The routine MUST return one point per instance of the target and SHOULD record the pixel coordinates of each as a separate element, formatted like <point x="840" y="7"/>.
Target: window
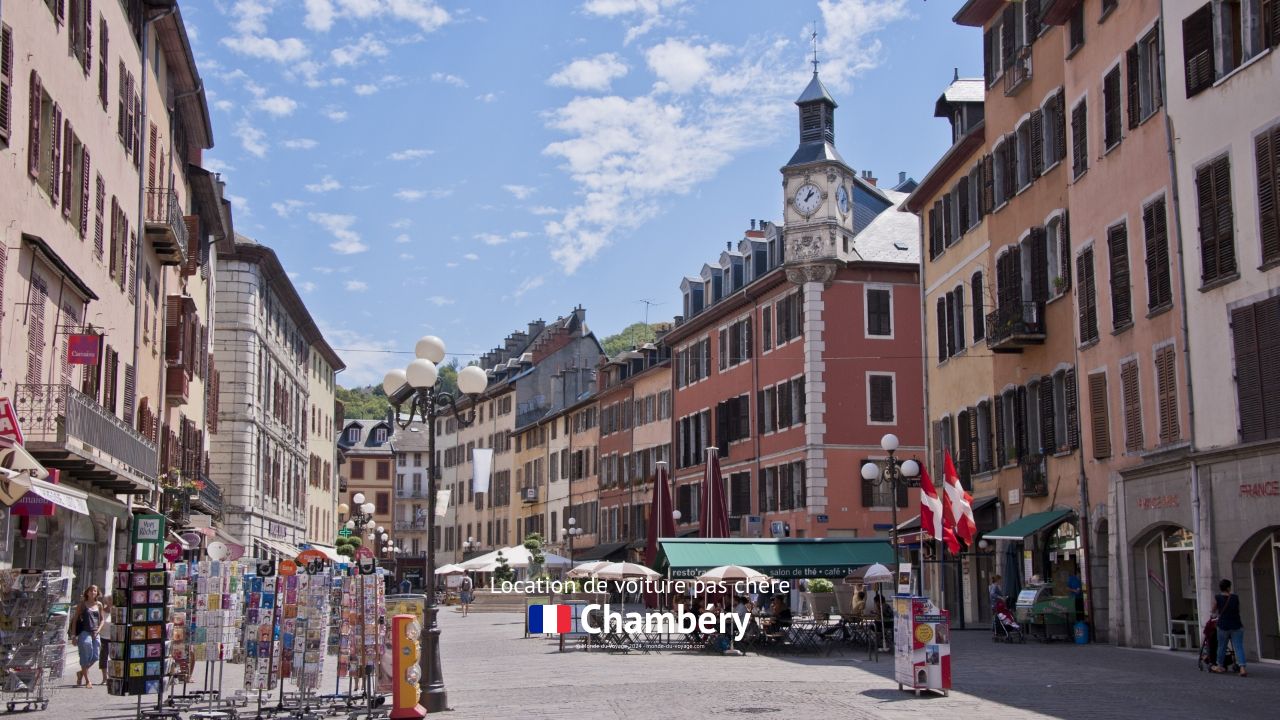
<point x="974" y="203"/>
<point x="984" y="436"/>
<point x="1242" y="32"/>
<point x="1143" y="60"/>
<point x="1000" y="165"/>
<point x="879" y="312"/>
<point x="735" y="344"/>
<point x="1023" y="159"/>
<point x="1121" y="292"/>
<point x="941" y="330"/>
<point x="1107" y="7"/>
<point x="958" y="326"/>
<point x="357" y="469"/>
<point x="1217" y="229"/>
<point x="382" y="502"/>
<point x="881" y="403"/>
<point x="993" y="43"/>
<point x="1111" y="108"/>
<point x="1156" y="237"/>
<point x="766" y="328"/>
<point x="1053" y="121"/>
<point x="1087" y="297"/>
<point x="1037" y="393"/>
<point x="790" y="318"/>
<point x="1099" y="422"/>
<point x="1197" y="50"/>
<point x="1079" y="138"/>
<point x="6" y="82"/>
<point x="1167" y="394"/>
<point x="880" y="494"/>
<point x="1255" y="331"/>
<point x="1057" y="255"/>
<point x="976" y="295"/>
<point x="937" y="238"/>
<point x="1131" y="401"/>
<point x="1266" y="148"/>
<point x="1075" y="28"/>
<point x="733" y="422"/>
<point x="740" y="494"/>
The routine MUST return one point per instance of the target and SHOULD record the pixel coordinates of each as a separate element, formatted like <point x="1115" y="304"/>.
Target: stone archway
<point x="1255" y="576"/>
<point x="1164" y="589"/>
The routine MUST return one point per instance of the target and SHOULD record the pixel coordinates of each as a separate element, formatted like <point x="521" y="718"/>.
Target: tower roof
<point x="816" y="92"/>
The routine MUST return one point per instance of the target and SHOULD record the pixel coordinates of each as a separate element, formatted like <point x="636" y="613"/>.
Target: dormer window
<point x="353" y="435"/>
<point x="379" y="435"/>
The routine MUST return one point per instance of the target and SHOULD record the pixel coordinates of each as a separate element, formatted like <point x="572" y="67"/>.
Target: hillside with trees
<point x="631" y="336"/>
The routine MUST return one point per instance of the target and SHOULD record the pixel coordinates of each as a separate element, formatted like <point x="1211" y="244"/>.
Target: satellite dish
<point x="217" y="550"/>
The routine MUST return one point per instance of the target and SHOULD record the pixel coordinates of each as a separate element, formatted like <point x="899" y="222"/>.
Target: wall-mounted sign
<point x="1159" y="502"/>
<point x="83" y="349"/>
<point x="10" y="430"/>
<point x="276" y="529"/>
<point x="1262" y="489"/>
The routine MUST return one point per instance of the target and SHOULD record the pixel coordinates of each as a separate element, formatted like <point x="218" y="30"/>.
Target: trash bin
<point x="1081" y="633"/>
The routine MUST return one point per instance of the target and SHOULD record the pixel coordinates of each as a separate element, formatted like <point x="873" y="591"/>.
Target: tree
<point x="503" y="573"/>
<point x="631" y="336"/>
<point x="363" y="402"/>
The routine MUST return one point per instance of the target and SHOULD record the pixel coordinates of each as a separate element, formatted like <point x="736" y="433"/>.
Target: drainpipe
<point x="1201" y="550"/>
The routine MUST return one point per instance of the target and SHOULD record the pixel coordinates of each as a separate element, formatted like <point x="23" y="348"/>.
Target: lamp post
<point x="416" y="384"/>
<point x="361" y="517"/>
<point x="574" y="531"/>
<point x="893" y="472"/>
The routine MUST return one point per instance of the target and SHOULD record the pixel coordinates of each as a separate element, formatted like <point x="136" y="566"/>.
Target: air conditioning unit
<point x="752" y="526"/>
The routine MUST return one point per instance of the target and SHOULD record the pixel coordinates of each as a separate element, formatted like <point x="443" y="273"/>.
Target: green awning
<point x="1027" y="525"/>
<point x="778" y="558"/>
<point x="99" y="505"/>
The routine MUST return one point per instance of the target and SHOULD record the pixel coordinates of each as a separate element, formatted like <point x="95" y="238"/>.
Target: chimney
<point x="866" y="175"/>
<point x="536" y="327"/>
<point x="902" y="177"/>
<point x="753" y="223"/>
<point x="728" y="245"/>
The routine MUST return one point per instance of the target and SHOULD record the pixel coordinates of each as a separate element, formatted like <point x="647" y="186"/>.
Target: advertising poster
<point x="922" y="645"/>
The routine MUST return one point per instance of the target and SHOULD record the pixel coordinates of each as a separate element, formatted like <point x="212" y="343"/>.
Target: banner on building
<point x="83" y="349"/>
<point x="482" y="463"/>
<point x="442" y="502"/>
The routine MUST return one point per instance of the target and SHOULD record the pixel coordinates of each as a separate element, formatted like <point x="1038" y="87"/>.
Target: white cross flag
<point x="481" y="463"/>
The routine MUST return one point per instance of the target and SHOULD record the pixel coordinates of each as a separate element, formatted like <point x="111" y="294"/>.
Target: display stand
<point x="33" y="620"/>
<point x="208" y="607"/>
<point x="304" y="623"/>
<point x="138" y="659"/>
<point x="261" y="632"/>
<point x="362" y="637"/>
<point x="922" y="645"/>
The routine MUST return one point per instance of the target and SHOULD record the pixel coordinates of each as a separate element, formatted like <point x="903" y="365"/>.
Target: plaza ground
<point x="492" y="671"/>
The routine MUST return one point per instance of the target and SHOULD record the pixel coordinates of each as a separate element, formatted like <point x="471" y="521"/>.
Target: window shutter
<point x="1020" y="422"/>
<point x="1271" y="14"/>
<point x="55" y="143"/>
<point x="1086" y="298"/>
<point x="1039" y="265"/>
<point x="1010" y="166"/>
<point x="867" y="490"/>
<point x="88" y="36"/>
<point x="1167" y="394"/>
<point x="948" y="227"/>
<point x="1268" y="334"/>
<point x="998" y="424"/>
<point x="1121" y="292"/>
<point x="35" y="331"/>
<point x="1048" y="440"/>
<point x="1197" y="50"/>
<point x="1132" y="406"/>
<point x="67" y="171"/>
<point x="962" y="198"/>
<point x="1217" y="247"/>
<point x="1099" y="425"/>
<point x="1135" y="94"/>
<point x="974" y="443"/>
<point x="1267" y="154"/>
<point x="1079" y="138"/>
<point x="1037" y="143"/>
<point x="122" y="106"/>
<point x="100" y="202"/>
<point x="1073" y="409"/>
<point x="988" y="72"/>
<point x="1060" y="124"/>
<point x="959" y="326"/>
<point x="949" y="327"/>
<point x="979" y="316"/>
<point x="988" y="184"/>
<point x="33" y="136"/>
<point x="1007" y="36"/>
<point x="60" y="11"/>
<point x="102" y="62"/>
<point x="965" y="448"/>
<point x="942" y="329"/>
<point x="6" y="82"/>
<point x="1065" y="250"/>
<point x="130" y="389"/>
<point x="1154" y="223"/>
<point x="1033" y="20"/>
<point x="132" y="260"/>
<point x="901" y="493"/>
<point x="173" y="330"/>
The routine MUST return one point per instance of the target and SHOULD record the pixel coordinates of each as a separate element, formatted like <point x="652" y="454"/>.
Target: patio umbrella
<point x="450" y="569"/>
<point x="733" y="574"/>
<point x="876" y="573"/>
<point x="587" y="569"/>
<point x="713" y="513"/>
<point x="626" y="571"/>
<point x="661" y="522"/>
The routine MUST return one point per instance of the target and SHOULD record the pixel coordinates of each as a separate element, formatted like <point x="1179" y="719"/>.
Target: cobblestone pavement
<point x="491" y="671"/>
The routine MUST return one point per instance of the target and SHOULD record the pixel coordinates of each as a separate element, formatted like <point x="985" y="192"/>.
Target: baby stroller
<point x="1003" y="627"/>
<point x="1209" y="649"/>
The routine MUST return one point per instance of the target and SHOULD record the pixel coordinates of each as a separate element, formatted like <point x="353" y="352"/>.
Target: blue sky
<point x="431" y="167"/>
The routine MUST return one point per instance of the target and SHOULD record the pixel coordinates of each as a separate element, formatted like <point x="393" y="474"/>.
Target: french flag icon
<point x="550" y="619"/>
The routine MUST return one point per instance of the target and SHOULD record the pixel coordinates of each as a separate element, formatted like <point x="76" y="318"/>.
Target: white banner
<point x="481" y="463"/>
<point x="442" y="502"/>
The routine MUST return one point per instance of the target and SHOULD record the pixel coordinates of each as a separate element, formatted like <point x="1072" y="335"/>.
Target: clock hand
<point x="810" y="195"/>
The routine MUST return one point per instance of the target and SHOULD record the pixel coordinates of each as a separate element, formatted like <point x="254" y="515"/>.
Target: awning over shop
<point x="777" y="558"/>
<point x="99" y="505"/>
<point x="62" y="496"/>
<point x="1027" y="525"/>
<point x="329" y="551"/>
<point x="603" y="551"/>
<point x="282" y="548"/>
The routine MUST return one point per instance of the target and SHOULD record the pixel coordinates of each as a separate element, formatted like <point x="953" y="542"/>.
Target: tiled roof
<point x="892" y="237"/>
<point x="965" y="90"/>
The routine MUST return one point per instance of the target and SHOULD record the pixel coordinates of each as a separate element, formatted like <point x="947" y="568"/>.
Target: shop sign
<point x="82" y="349"/>
<point x="904" y="578"/>
<point x="148" y="528"/>
<point x="1262" y="489"/>
<point x="345" y="532"/>
<point x="9" y="428"/>
<point x="1159" y="502"/>
<point x="823" y="518"/>
<point x="173" y="551"/>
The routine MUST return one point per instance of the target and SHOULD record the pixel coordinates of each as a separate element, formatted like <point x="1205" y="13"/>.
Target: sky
<point x="461" y="169"/>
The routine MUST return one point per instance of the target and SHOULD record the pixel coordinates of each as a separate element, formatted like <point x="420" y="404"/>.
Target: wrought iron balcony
<point x="1019" y="73"/>
<point x="1013" y="326"/>
<point x="411" y="525"/>
<point x="1035" y="477"/>
<point x="166" y="226"/>
<point x="209" y="498"/>
<point x="68" y="430"/>
<point x="411" y="493"/>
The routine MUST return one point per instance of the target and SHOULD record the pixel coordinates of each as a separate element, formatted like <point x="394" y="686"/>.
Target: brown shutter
<point x="100" y="206"/>
<point x="1197" y="50"/>
<point x="1079" y="138"/>
<point x="1039" y="265"/>
<point x="1132" y="403"/>
<point x="1037" y="143"/>
<point x="133" y="266"/>
<point x="130" y="391"/>
<point x="1007" y="36"/>
<point x="88" y="36"/>
<point x="1217" y="228"/>
<point x="1156" y="236"/>
<point x="6" y="82"/>
<point x="1248" y="373"/>
<point x="1167" y="395"/>
<point x="942" y="329"/>
<point x="988" y="72"/>
<point x="192" y="265"/>
<point x="964" y="449"/>
<point x="173" y="330"/>
<point x="113" y="265"/>
<point x="1073" y="409"/>
<point x="1268" y="322"/>
<point x="35" y="331"/>
<point x="103" y="82"/>
<point x="979" y="315"/>
<point x="122" y="106"/>
<point x="1065" y="250"/>
<point x="1267" y="154"/>
<point x="55" y="164"/>
<point x="962" y="198"/>
<point x="1135" y="92"/>
<point x="1086" y="298"/>
<point x="1099" y="424"/>
<point x="1011" y="166"/>
<point x="84" y="192"/>
<point x="1048" y="439"/>
<point x="1020" y="422"/>
<point x="1121" y="291"/>
<point x="975" y="455"/>
<point x="1060" y="112"/>
<point x="33" y="135"/>
<point x="67" y="171"/>
<point x="153" y="198"/>
<point x="988" y="184"/>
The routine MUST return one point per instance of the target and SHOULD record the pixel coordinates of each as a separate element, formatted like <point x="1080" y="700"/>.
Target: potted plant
<point x="821" y="597"/>
<point x="1060" y="284"/>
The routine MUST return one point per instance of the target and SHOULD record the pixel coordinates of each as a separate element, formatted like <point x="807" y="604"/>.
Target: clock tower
<point x="817" y="189"/>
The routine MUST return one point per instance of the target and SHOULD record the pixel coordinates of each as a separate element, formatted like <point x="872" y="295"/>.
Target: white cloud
<point x="649" y="12"/>
<point x="408" y="256"/>
<point x="286" y="208"/>
<point x="367" y="358"/>
<point x="214" y="165"/>
<point x="448" y="79"/>
<point x="440" y="300"/>
<point x="283" y="51"/>
<point x="326" y="184"/>
<point x="487" y="97"/>
<point x="413" y="194"/>
<point x="471" y="256"/>
<point x="356" y="285"/>
<point x="348" y="240"/>
<point x="252" y="139"/>
<point x="595" y="73"/>
<point x="543" y="210"/>
<point x="224" y="105"/>
<point x="300" y="144"/>
<point x="402" y="223"/>
<point x="278" y="105"/>
<point x="426" y="14"/>
<point x="403" y="238"/>
<point x="848" y="45"/>
<point x="365" y="89"/>
<point x="679" y="65"/>
<point x="520" y="191"/>
<point x="319" y="15"/>
<point x="495" y="239"/>
<point x="410" y="154"/>
<point x="531" y="283"/>
<point x="355" y="53"/>
<point x="240" y="203"/>
<point x="335" y="114"/>
<point x="307" y="286"/>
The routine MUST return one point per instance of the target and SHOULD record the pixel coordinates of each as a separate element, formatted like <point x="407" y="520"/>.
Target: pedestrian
<point x="995" y="593"/>
<point x="466" y="594"/>
<point x="405" y="586"/>
<point x="1226" y="605"/>
<point x="86" y="624"/>
<point x="1076" y="588"/>
<point x="104" y="638"/>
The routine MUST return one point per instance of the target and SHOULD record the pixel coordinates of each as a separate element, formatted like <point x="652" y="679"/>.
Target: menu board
<point x="137" y="659"/>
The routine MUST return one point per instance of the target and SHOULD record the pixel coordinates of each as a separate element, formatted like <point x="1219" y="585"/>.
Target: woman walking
<point x="1226" y="605"/>
<point x="86" y="624"/>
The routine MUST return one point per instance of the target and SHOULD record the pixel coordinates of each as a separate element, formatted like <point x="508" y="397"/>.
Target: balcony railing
<point x="1013" y="326"/>
<point x="1035" y="477"/>
<point x="1019" y="73"/>
<point x="63" y="416"/>
<point x="411" y="493"/>
<point x="411" y="525"/>
<point x="210" y="496"/>
<point x="175" y="504"/>
<point x="166" y="226"/>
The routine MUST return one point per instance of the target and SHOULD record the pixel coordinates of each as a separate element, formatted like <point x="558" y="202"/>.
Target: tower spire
<point x="814" y="38"/>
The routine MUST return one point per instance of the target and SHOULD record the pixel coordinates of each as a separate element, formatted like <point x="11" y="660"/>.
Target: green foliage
<point x="533" y="543"/>
<point x="821" y="585"/>
<point x="345" y="550"/>
<point x="631" y="336"/>
<point x="363" y="402"/>
<point x="503" y="573"/>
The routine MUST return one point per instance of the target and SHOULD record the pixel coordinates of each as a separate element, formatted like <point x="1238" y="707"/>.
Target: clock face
<point x="842" y="200"/>
<point x="808" y="198"/>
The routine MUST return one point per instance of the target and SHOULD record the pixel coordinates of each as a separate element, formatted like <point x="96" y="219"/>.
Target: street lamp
<point x="416" y="384"/>
<point x="574" y="531"/>
<point x="892" y="473"/>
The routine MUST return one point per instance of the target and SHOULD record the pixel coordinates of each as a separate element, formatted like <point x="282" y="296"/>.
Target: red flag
<point x="933" y="518"/>
<point x="959" y="505"/>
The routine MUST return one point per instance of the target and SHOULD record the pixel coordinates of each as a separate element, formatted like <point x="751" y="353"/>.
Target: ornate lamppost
<point x="416" y="385"/>
<point x="893" y="472"/>
<point x="573" y="532"/>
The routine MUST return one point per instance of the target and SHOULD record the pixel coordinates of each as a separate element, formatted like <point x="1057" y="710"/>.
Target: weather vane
<point x="814" y="38"/>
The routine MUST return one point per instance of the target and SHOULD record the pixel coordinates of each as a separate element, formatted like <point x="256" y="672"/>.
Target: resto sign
<point x="82" y="349"/>
<point x="9" y="428"/>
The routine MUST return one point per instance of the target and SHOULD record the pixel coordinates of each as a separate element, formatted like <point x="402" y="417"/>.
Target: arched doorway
<point x="1165" y="584"/>
<point x="1257" y="577"/>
